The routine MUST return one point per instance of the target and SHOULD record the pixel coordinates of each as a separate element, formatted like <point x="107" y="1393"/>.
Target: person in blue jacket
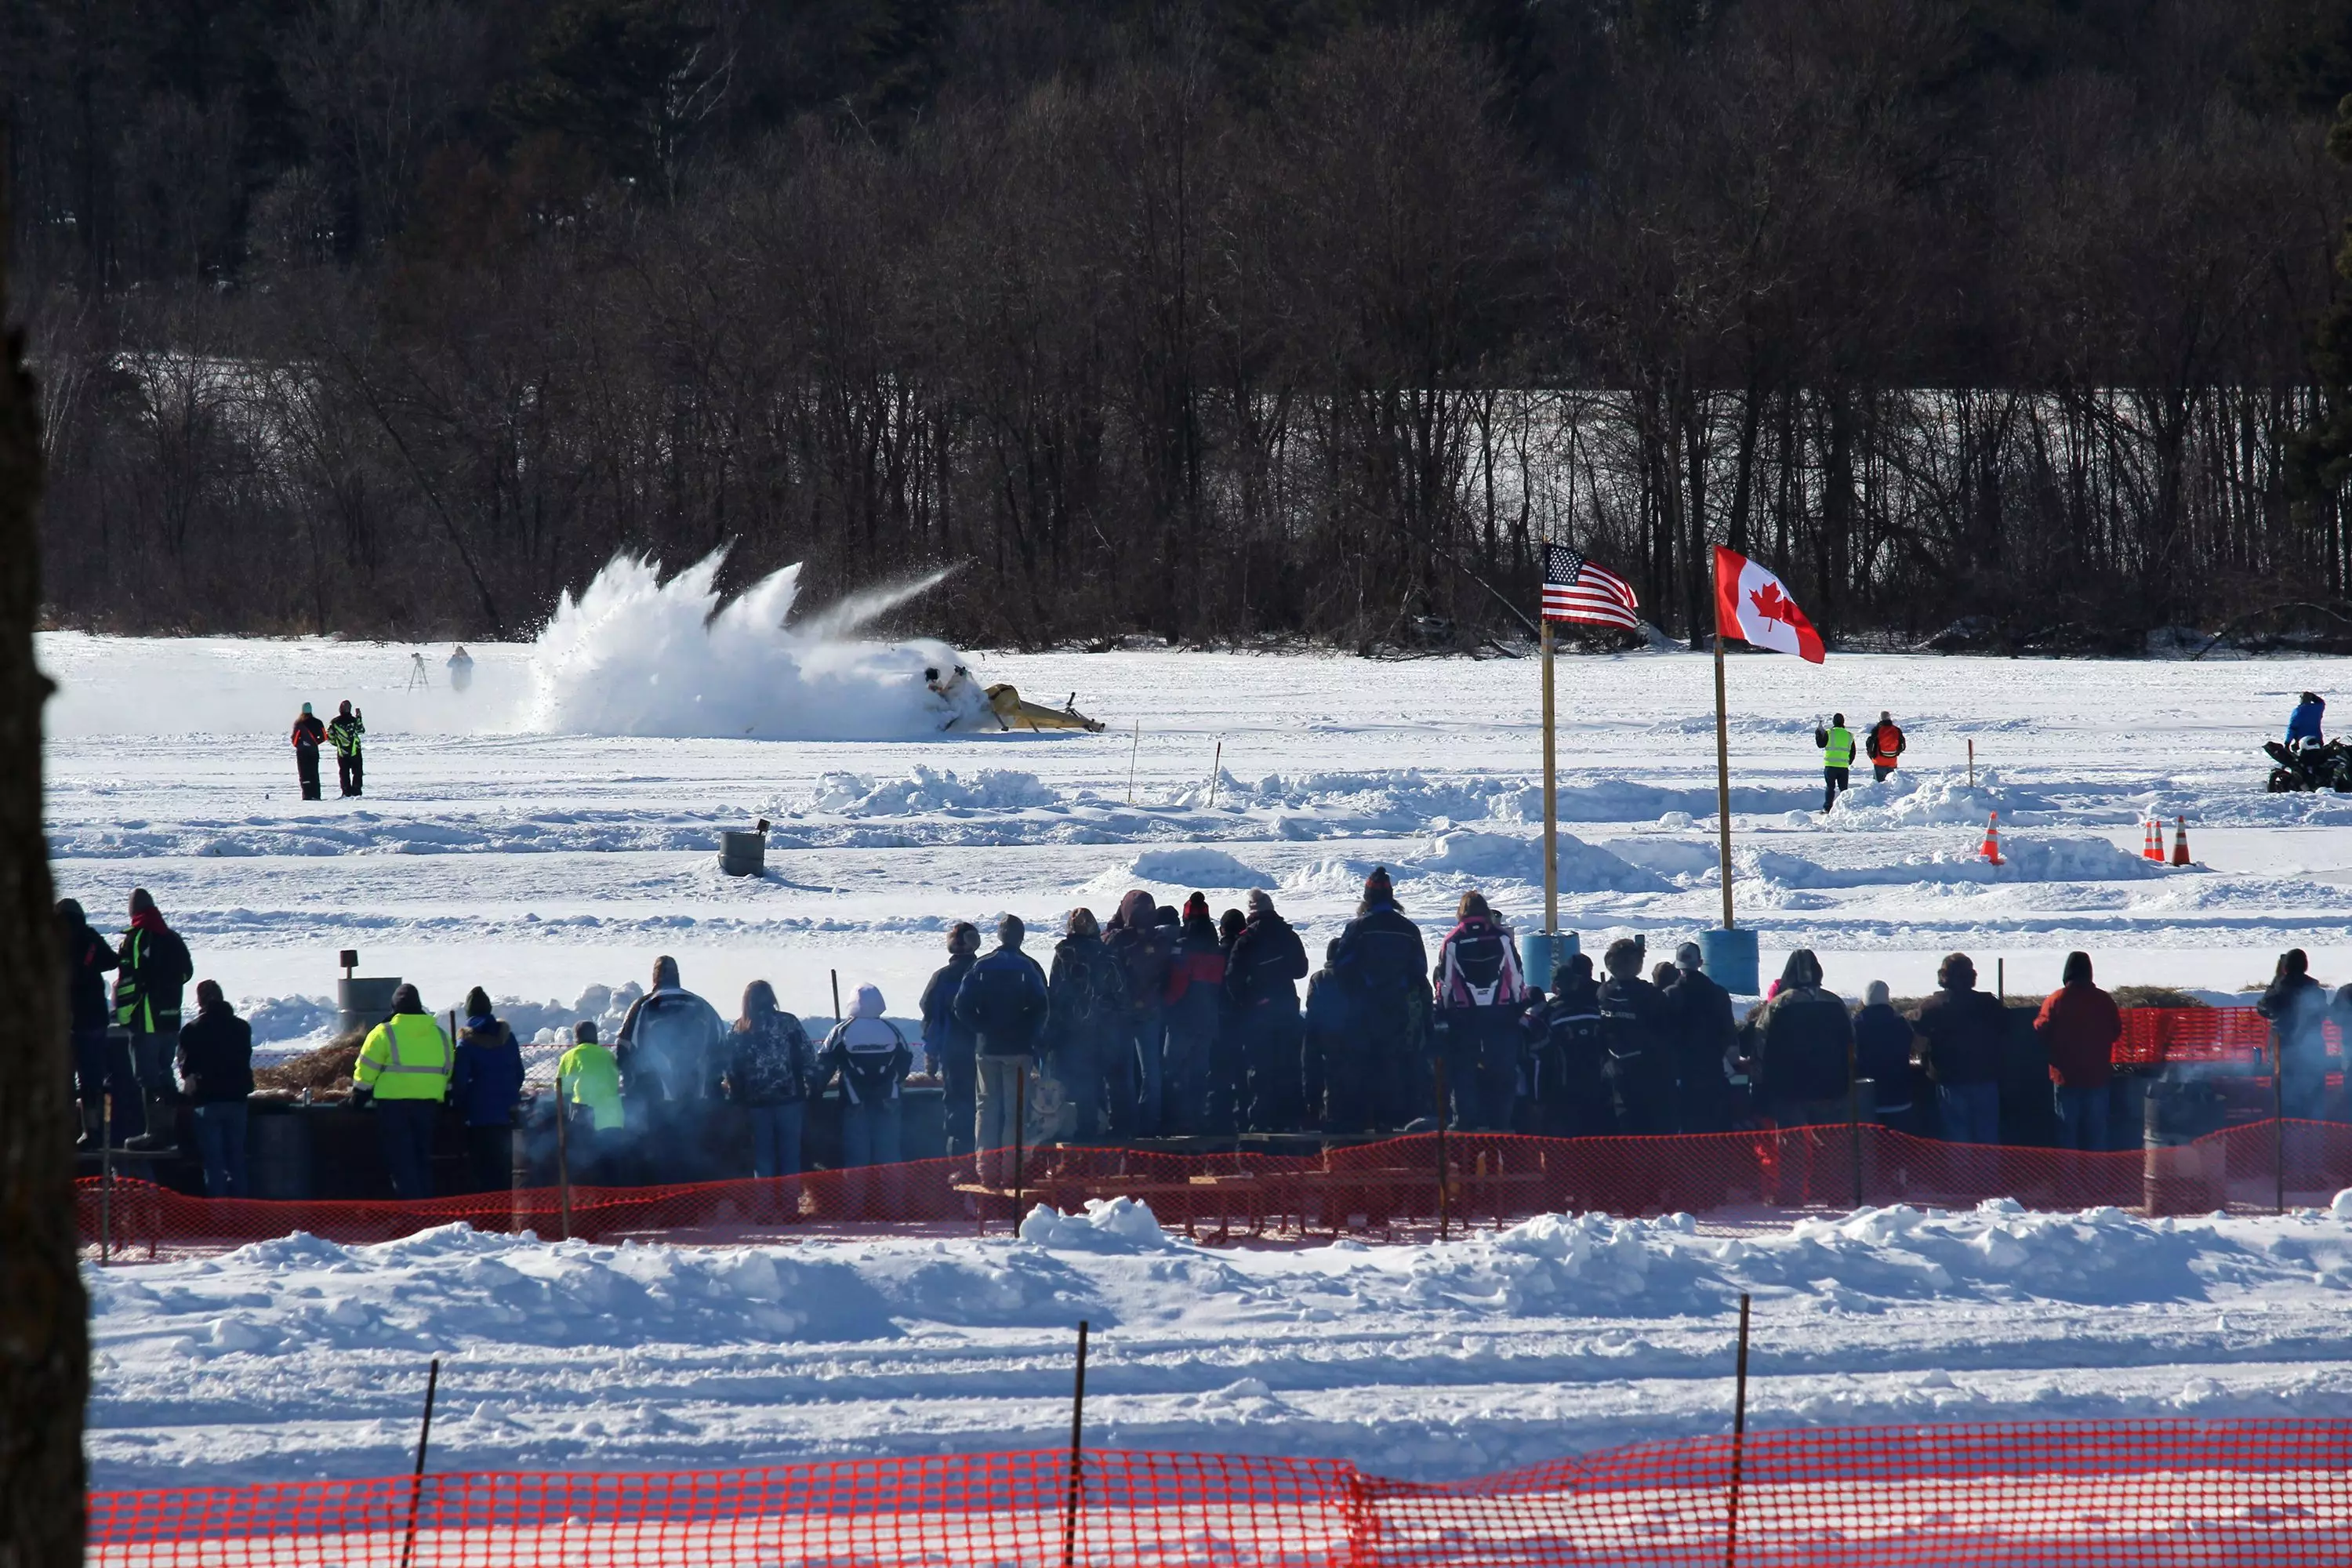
<point x="485" y="1085"/>
<point x="2304" y="723"/>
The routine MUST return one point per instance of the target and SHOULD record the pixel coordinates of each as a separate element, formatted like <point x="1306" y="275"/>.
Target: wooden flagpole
<point x="1722" y="756"/>
<point x="1550" y="798"/>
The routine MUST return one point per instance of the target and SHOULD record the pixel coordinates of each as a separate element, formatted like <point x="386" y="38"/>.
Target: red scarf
<point x="150" y="921"/>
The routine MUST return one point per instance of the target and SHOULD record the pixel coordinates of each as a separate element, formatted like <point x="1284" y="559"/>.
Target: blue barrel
<point x="1541" y="951"/>
<point x="1730" y="960"/>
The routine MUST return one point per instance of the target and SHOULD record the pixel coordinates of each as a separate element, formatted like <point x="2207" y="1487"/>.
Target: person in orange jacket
<point x="1882" y="745"/>
<point x="309" y="734"/>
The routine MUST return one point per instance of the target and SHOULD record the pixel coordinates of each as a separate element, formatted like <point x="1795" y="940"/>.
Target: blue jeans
<point x="1971" y="1112"/>
<point x="1150" y="1033"/>
<point x="2081" y="1118"/>
<point x="220" y="1145"/>
<point x="404" y="1128"/>
<point x="960" y="1099"/>
<point x="869" y="1136"/>
<point x="775" y="1139"/>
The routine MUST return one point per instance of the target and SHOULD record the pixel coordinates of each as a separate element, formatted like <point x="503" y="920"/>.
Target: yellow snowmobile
<point x="1012" y="713"/>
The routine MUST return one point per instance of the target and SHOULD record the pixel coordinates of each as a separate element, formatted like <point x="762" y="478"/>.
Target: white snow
<point x="296" y="1357"/>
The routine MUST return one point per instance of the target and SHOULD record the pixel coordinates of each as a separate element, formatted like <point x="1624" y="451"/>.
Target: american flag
<point x="1577" y="590"/>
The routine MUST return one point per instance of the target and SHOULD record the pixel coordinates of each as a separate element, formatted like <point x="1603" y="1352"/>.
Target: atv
<point x="2309" y="766"/>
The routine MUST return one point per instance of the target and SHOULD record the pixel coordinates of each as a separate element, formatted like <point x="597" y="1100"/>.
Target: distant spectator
<point x="770" y="1070"/>
<point x="2079" y="1026"/>
<point x="1636" y="1032"/>
<point x="1803" y="1041"/>
<point x="2296" y="1006"/>
<point x="404" y="1071"/>
<point x="1964" y="1029"/>
<point x="154" y="969"/>
<point x="1003" y="1002"/>
<point x="1335" y="1091"/>
<point x="1091" y="1028"/>
<point x="1882" y="1053"/>
<point x="1381" y="959"/>
<point x="1228" y="1072"/>
<point x="669" y="1050"/>
<point x="486" y="1086"/>
<point x="216" y="1063"/>
<point x="947" y="1044"/>
<point x="870" y="1058"/>
<point x="1570" y="1093"/>
<point x="1704" y="1037"/>
<point x="588" y="1095"/>
<point x="1262" y="975"/>
<point x="1137" y="1071"/>
<point x="1196" y="984"/>
<point x="1479" y="998"/>
<point x="99" y="1065"/>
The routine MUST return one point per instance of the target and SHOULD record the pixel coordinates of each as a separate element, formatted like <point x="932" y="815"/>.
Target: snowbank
<point x="1583" y="867"/>
<point x="1181" y="869"/>
<point x="296" y="1357"/>
<point x="926" y="789"/>
<point x="2023" y="860"/>
<point x="634" y="655"/>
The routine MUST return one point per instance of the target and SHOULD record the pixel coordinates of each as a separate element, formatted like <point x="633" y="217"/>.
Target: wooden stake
<point x="1739" y="1440"/>
<point x="423" y="1437"/>
<point x="1216" y="770"/>
<point x="1077" y="1455"/>
<point x="563" y="1159"/>
<point x="1135" y="746"/>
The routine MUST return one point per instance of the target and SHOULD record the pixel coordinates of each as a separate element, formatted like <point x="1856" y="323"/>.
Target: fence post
<point x="563" y="1161"/>
<point x="1442" y="1215"/>
<point x="1739" y="1440"/>
<point x="424" y="1437"/>
<point x="105" y="1181"/>
<point x="2278" y="1127"/>
<point x="1077" y="1455"/>
<point x="1020" y="1121"/>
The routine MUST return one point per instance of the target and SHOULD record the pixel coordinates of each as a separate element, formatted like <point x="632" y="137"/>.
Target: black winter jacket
<point x="944" y="1037"/>
<point x="216" y="1058"/>
<point x="1266" y="963"/>
<point x="1964" y="1031"/>
<point x="1801" y="1038"/>
<point x="90" y="958"/>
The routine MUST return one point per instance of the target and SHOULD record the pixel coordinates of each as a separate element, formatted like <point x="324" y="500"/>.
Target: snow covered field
<point x="297" y="1358"/>
<point x="495" y="848"/>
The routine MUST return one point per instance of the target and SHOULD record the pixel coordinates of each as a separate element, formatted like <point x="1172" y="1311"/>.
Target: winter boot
<point x="162" y="1126"/>
<point x="92" y="1129"/>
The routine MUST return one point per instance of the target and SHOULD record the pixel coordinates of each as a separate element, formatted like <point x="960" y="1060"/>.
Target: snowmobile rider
<point x="1836" y="742"/>
<point x="2304" y="723"/>
<point x="309" y="734"/>
<point x="1882" y="743"/>
<point x="345" y="730"/>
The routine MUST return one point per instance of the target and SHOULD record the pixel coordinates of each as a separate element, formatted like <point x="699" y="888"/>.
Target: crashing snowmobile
<point x="1004" y="706"/>
<point x="2310" y="765"/>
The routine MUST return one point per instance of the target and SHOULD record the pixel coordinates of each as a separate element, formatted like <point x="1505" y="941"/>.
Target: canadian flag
<point x="1753" y="606"/>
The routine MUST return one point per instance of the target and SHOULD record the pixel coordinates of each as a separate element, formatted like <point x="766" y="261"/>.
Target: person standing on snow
<point x="1380" y="960"/>
<point x="461" y="669"/>
<point x="155" y="968"/>
<point x="770" y="1066"/>
<point x="1635" y="1034"/>
<point x="344" y="730"/>
<point x="1836" y="744"/>
<point x="2079" y="1026"/>
<point x="947" y="1044"/>
<point x="1882" y="1053"/>
<point x="1092" y="1038"/>
<point x="1262" y="975"/>
<point x="1137" y="1074"/>
<point x="1002" y="1001"/>
<point x="2296" y="1006"/>
<point x="1965" y="1029"/>
<point x="404" y="1071"/>
<point x="309" y="734"/>
<point x="871" y="1057"/>
<point x="2304" y="723"/>
<point x="98" y="1067"/>
<point x="588" y="1094"/>
<point x="486" y="1086"/>
<point x="668" y="1050"/>
<point x="216" y="1062"/>
<point x="1704" y="1037"/>
<point x="1570" y="1094"/>
<point x="1195" y="998"/>
<point x="1477" y="1000"/>
<point x="1883" y="745"/>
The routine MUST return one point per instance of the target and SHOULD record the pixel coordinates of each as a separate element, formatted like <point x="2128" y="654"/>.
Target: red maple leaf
<point x="1771" y="604"/>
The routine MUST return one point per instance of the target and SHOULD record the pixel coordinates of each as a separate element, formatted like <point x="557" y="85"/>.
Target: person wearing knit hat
<point x="1705" y="1037"/>
<point x="486" y="1086"/>
<point x="1383" y="964"/>
<point x="1196" y="983"/>
<point x="309" y="734"/>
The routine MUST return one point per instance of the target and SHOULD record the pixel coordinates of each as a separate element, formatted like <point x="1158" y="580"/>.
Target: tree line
<point x="1206" y="319"/>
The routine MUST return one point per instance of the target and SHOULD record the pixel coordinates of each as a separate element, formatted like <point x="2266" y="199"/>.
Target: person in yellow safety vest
<point x="403" y="1068"/>
<point x="1883" y="745"/>
<point x="1836" y="742"/>
<point x="588" y="1095"/>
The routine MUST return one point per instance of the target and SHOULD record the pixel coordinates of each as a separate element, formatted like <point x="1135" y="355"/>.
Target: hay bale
<point x="325" y="1072"/>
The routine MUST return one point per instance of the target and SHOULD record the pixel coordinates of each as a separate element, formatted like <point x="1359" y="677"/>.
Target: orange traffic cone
<point x="1992" y="850"/>
<point x="2180" y="843"/>
<point x="2151" y="841"/>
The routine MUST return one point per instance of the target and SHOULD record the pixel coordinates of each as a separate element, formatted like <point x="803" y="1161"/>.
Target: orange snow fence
<point x="2109" y="1494"/>
<point x="1387" y="1191"/>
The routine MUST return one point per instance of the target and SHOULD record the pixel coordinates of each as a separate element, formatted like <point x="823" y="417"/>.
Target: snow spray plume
<point x="634" y="655"/>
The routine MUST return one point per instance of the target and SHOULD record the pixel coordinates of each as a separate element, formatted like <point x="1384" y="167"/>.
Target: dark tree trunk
<point x="43" y="1342"/>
